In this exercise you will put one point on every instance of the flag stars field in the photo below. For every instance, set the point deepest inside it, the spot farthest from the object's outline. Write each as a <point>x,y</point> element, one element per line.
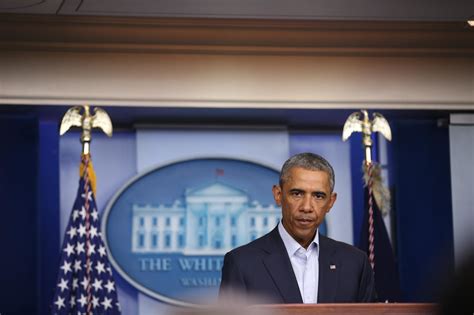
<point>97,284</point>
<point>91,249</point>
<point>82,230</point>
<point>85,279</point>
<point>82,300</point>
<point>89,195</point>
<point>84,283</point>
<point>63,285</point>
<point>82,213</point>
<point>110,286</point>
<point>66,267</point>
<point>72,301</point>
<point>95,215</point>
<point>60,302</point>
<point>93,232</point>
<point>80,248</point>
<point>107,303</point>
<point>95,302</point>
<point>69,250</point>
<point>100,267</point>
<point>75,215</point>
<point>77,265</point>
<point>102,251</point>
<point>75,284</point>
<point>72,232</point>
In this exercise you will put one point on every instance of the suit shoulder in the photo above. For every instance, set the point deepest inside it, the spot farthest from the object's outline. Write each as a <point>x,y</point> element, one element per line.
<point>342,248</point>
<point>252,248</point>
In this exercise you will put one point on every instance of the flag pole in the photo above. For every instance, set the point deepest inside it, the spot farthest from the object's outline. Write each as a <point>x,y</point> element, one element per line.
<point>83,242</point>
<point>86,122</point>
<point>374,239</point>
<point>367,127</point>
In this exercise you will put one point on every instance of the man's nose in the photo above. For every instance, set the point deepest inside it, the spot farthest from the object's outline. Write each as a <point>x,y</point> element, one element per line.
<point>307,205</point>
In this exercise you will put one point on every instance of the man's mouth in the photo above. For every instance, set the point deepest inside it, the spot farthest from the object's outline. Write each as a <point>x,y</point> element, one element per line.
<point>305,221</point>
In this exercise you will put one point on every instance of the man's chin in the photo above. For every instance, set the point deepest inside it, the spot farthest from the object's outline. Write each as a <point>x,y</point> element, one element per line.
<point>306,235</point>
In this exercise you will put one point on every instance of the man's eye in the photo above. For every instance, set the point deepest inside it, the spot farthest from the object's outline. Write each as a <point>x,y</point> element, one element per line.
<point>296,193</point>
<point>319,196</point>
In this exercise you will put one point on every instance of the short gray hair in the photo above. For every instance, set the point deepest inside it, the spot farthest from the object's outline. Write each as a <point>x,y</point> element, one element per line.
<point>308,161</point>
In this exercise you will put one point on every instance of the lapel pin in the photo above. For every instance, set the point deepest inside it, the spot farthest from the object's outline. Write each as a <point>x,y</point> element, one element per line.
<point>332,267</point>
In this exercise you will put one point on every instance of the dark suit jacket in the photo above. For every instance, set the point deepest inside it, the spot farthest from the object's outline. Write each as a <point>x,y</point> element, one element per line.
<point>263,268</point>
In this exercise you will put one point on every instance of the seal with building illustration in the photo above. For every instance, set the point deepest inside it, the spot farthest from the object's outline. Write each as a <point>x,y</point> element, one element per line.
<point>168,229</point>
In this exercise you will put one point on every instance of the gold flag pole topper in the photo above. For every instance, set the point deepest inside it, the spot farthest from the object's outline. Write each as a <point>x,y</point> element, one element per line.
<point>86,121</point>
<point>367,127</point>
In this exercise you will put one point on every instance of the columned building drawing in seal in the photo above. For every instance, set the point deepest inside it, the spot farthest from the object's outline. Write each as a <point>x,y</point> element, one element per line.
<point>209,220</point>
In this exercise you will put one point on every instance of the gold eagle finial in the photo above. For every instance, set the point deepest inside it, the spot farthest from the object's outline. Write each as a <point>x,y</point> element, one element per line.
<point>86,121</point>
<point>354,123</point>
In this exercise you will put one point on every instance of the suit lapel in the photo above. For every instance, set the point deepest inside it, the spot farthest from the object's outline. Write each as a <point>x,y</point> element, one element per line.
<point>328,272</point>
<point>279,266</point>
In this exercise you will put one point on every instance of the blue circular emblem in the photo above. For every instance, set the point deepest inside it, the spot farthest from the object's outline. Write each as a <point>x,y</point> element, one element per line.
<point>168,229</point>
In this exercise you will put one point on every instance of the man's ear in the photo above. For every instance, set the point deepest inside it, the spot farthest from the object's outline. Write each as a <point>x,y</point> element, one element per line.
<point>332,201</point>
<point>277,194</point>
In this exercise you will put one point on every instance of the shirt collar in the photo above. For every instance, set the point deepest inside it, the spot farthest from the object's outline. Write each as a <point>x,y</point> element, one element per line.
<point>291,244</point>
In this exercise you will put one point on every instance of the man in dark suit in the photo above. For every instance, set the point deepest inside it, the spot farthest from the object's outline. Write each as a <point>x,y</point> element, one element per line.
<point>293,263</point>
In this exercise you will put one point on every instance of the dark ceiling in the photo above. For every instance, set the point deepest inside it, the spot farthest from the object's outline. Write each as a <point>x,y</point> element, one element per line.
<point>344,10</point>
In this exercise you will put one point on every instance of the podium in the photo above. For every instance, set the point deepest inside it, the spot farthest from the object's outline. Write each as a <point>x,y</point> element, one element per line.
<point>352,309</point>
<point>312,309</point>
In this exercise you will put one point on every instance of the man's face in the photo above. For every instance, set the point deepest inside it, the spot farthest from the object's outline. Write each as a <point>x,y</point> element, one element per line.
<point>305,198</point>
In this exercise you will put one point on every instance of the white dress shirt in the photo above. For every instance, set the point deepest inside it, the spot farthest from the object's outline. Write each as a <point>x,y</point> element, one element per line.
<point>305,263</point>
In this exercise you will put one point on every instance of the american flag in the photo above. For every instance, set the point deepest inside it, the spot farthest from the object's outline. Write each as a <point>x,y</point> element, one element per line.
<point>85,284</point>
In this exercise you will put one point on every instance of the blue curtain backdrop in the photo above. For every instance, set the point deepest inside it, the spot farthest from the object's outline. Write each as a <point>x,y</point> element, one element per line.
<point>419,172</point>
